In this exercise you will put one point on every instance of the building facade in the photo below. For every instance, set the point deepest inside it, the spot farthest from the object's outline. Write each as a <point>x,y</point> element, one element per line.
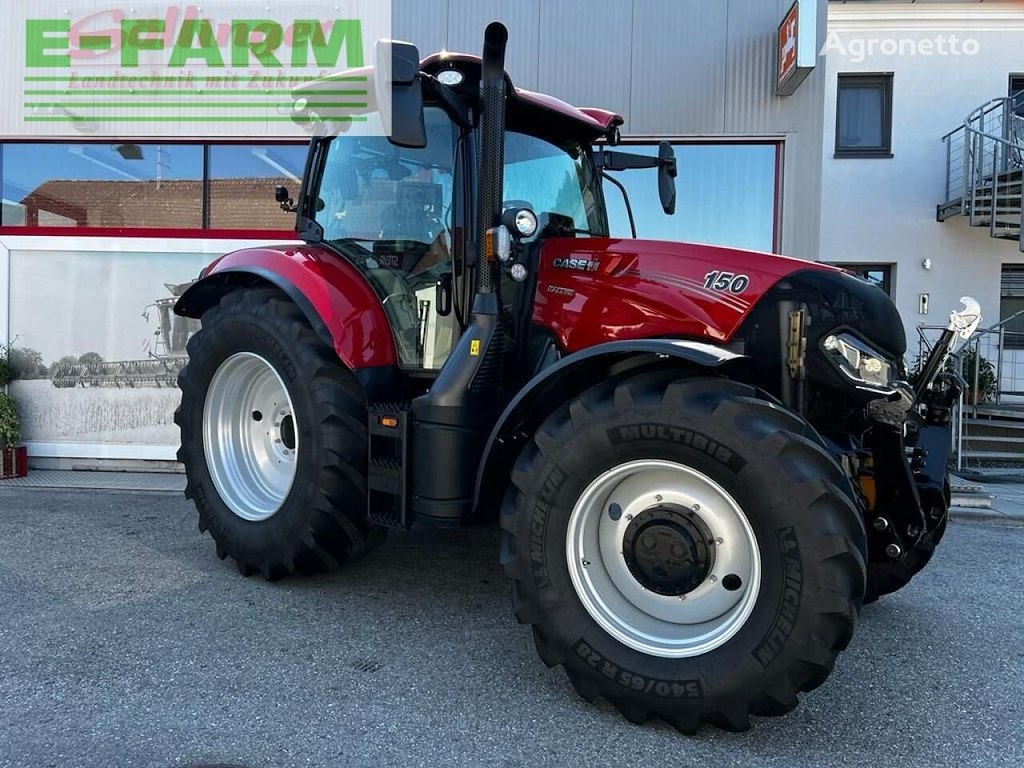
<point>97,236</point>
<point>906,188</point>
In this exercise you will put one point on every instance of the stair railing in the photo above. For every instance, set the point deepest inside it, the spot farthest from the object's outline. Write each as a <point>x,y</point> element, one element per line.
<point>988,144</point>
<point>988,344</point>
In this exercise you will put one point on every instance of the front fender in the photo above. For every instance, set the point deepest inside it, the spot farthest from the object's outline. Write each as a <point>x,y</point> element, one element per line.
<point>337,300</point>
<point>568,378</point>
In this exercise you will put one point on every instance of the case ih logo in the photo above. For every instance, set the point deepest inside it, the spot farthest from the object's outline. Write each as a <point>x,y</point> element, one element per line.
<point>580,265</point>
<point>81,68</point>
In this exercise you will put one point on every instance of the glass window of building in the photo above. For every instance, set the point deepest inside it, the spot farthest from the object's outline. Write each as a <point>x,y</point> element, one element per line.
<point>242,182</point>
<point>864,116</point>
<point>94,185</point>
<point>876,274</point>
<point>726,194</point>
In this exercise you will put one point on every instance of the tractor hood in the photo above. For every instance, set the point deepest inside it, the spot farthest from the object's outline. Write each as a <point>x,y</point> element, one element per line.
<point>596,290</point>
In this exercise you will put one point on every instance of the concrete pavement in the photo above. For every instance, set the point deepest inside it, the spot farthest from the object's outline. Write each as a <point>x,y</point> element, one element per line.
<point>125,642</point>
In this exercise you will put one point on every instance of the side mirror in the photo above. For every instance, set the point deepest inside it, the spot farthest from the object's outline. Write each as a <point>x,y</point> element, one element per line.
<point>667,171</point>
<point>399,92</point>
<point>284,199</point>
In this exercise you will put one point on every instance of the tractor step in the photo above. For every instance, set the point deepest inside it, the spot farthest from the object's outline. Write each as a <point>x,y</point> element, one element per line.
<point>388,477</point>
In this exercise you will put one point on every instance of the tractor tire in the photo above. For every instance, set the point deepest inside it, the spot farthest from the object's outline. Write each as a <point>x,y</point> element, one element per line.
<point>886,578</point>
<point>273,439</point>
<point>685,549</point>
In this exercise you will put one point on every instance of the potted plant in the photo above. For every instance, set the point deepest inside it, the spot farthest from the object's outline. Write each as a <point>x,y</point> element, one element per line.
<point>987,385</point>
<point>13,457</point>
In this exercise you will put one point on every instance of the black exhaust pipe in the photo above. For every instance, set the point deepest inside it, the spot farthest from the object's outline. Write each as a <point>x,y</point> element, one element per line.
<point>452,421</point>
<point>490,177</point>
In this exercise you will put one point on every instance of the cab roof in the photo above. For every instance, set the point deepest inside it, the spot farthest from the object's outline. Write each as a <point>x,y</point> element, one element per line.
<point>528,111</point>
<point>527,107</point>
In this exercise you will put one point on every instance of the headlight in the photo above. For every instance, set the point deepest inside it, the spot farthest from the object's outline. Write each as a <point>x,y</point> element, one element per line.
<point>867,368</point>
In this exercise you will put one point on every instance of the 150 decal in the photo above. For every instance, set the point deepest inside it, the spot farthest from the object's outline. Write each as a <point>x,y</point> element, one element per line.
<point>726,281</point>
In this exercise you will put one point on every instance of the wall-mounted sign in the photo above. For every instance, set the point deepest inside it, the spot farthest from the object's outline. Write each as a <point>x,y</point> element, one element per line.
<point>796,46</point>
<point>176,68</point>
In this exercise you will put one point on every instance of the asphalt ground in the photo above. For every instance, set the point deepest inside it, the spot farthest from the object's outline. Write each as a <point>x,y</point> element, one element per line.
<point>124,641</point>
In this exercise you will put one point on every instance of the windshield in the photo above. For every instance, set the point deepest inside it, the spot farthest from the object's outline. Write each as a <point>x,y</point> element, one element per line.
<point>553,179</point>
<point>389,211</point>
<point>375,192</point>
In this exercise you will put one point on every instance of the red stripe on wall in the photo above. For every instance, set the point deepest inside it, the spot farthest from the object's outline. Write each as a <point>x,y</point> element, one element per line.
<point>172,234</point>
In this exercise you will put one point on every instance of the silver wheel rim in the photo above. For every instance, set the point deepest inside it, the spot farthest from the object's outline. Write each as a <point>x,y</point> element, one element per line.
<point>671,626</point>
<point>250,436</point>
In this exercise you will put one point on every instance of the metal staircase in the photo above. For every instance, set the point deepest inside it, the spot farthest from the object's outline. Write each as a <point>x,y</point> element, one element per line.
<point>985,170</point>
<point>988,433</point>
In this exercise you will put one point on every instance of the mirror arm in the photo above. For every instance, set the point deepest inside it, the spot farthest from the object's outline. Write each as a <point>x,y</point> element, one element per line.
<point>623,161</point>
<point>453,105</point>
<point>625,197</point>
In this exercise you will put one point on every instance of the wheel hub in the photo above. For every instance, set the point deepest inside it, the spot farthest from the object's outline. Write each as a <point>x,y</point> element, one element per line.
<point>669,550</point>
<point>250,436</point>
<point>663,558</point>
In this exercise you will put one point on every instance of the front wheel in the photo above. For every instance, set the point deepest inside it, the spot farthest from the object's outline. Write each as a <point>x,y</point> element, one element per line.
<point>273,439</point>
<point>685,549</point>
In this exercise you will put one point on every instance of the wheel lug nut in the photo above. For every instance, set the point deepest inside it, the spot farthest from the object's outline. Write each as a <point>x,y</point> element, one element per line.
<point>880,524</point>
<point>893,551</point>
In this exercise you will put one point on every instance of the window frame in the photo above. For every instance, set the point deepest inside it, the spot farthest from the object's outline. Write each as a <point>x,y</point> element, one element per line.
<point>204,231</point>
<point>1016,96</point>
<point>884,82</point>
<point>1013,337</point>
<point>859,268</point>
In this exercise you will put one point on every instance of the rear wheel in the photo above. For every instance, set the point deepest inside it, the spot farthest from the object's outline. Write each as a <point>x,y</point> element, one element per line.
<point>273,439</point>
<point>684,549</point>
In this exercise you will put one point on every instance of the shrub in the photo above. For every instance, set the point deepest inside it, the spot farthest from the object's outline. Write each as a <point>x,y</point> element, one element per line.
<point>987,384</point>
<point>6,373</point>
<point>10,430</point>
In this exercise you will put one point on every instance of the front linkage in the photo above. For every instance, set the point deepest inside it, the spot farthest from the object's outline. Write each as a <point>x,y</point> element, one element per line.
<point>910,446</point>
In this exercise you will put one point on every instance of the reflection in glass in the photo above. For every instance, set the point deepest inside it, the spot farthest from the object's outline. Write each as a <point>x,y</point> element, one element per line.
<point>725,196</point>
<point>102,185</point>
<point>242,182</point>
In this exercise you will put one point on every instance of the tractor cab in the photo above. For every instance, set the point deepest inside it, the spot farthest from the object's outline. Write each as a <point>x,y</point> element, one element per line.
<point>402,206</point>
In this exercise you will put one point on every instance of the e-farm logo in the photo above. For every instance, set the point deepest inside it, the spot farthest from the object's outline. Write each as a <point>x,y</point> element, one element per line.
<point>206,66</point>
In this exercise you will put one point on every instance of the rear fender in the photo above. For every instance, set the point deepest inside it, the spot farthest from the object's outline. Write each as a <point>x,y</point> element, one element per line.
<point>340,305</point>
<point>568,378</point>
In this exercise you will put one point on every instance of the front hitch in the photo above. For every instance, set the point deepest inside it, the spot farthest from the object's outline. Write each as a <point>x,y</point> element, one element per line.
<point>910,452</point>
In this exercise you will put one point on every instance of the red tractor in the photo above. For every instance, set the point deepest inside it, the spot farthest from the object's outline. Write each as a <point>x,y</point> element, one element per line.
<point>703,460</point>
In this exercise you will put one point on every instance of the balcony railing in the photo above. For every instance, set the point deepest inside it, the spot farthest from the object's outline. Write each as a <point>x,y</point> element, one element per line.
<point>984,168</point>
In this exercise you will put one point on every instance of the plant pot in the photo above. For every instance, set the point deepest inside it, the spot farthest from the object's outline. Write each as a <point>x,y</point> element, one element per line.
<point>13,462</point>
<point>974,397</point>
